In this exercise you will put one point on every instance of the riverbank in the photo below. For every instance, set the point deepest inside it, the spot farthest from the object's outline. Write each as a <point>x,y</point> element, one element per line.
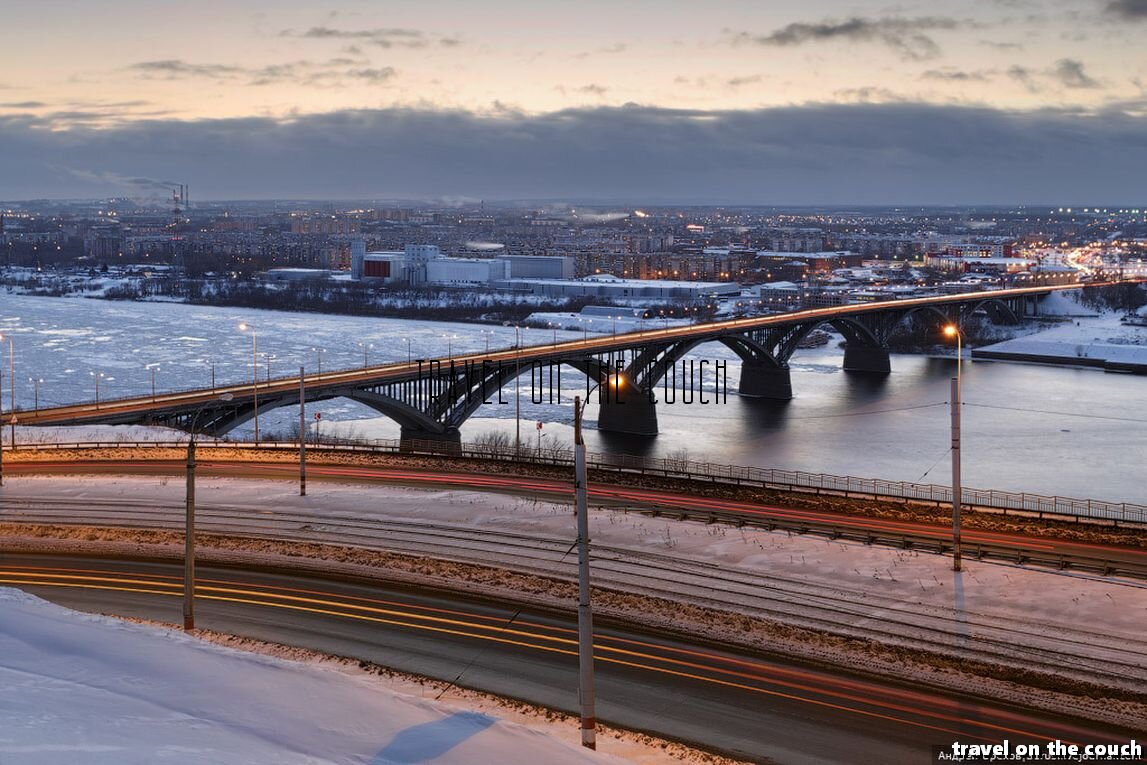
<point>1104,342</point>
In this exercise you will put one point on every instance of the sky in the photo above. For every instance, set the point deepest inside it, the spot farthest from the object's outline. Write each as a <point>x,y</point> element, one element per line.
<point>727,101</point>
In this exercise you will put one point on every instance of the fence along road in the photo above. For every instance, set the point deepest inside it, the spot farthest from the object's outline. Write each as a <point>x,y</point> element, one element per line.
<point>1041,506</point>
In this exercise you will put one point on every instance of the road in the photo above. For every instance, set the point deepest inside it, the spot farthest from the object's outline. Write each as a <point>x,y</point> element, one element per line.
<point>856,525</point>
<point>750,706</point>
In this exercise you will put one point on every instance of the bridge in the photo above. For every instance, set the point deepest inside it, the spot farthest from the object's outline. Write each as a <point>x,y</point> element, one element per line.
<point>431,398</point>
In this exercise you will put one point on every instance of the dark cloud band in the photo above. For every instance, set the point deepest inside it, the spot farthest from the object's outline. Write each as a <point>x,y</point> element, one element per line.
<point>898,153</point>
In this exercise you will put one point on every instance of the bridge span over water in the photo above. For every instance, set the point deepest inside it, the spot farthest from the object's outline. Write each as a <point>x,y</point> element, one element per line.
<point>431,398</point>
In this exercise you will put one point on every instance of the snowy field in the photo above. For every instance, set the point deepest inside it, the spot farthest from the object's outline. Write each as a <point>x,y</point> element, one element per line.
<point>80,688</point>
<point>1090,337</point>
<point>1026,617</point>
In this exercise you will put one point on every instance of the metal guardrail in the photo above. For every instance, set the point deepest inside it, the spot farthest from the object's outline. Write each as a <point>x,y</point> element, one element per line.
<point>767,478</point>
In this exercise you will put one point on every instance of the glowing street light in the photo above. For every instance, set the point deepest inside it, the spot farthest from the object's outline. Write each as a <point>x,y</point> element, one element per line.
<point>951,330</point>
<point>153,368</point>
<point>254,374</point>
<point>36,381</point>
<point>11,386</point>
<point>98,376</point>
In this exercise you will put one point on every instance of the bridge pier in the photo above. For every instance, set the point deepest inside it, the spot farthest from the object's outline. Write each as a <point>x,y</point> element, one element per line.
<point>760,379</point>
<point>632,412</point>
<point>412,439</point>
<point>866,358</point>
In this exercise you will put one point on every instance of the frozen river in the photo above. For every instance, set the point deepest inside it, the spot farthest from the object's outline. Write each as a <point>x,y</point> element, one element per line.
<point>1049,430</point>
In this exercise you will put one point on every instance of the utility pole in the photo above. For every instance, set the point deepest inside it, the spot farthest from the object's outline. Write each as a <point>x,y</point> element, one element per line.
<point>189,539</point>
<point>584,610</point>
<point>302,432</point>
<point>956,474</point>
<point>1,437</point>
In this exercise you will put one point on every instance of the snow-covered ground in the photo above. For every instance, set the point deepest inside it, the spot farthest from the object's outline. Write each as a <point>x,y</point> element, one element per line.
<point>81,688</point>
<point>1028,618</point>
<point>1088,338</point>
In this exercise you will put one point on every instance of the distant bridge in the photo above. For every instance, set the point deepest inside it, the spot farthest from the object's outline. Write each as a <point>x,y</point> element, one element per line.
<point>430,399</point>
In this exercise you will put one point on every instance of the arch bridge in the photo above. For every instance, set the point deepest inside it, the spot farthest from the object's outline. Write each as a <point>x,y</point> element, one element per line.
<point>432,398</point>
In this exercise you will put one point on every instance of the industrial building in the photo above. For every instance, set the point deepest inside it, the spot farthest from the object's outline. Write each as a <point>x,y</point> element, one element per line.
<point>614,288</point>
<point>424,264</point>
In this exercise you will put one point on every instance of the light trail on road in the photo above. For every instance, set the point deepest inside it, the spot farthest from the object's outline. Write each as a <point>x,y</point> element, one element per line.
<point>648,664</point>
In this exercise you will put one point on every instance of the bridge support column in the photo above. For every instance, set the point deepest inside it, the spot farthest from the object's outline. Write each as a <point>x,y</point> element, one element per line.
<point>866,358</point>
<point>427,440</point>
<point>632,412</point>
<point>760,379</point>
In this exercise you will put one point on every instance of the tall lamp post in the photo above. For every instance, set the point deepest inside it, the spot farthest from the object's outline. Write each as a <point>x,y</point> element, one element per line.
<point>36,388</point>
<point>153,368</point>
<point>584,608</point>
<point>189,523</point>
<point>952,330</point>
<point>11,387</point>
<point>97,376</point>
<point>254,374</point>
<point>517,391</point>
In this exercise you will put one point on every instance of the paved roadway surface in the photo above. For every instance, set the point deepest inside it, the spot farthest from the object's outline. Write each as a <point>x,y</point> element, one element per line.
<point>599,493</point>
<point>751,706</point>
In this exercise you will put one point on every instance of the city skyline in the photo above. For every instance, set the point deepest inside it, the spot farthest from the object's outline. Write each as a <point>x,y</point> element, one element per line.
<point>989,101</point>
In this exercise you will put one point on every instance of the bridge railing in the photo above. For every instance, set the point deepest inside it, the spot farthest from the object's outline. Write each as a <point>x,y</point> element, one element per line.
<point>767,478</point>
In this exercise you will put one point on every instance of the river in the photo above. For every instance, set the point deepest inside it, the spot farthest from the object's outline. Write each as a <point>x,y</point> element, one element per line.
<point>1041,429</point>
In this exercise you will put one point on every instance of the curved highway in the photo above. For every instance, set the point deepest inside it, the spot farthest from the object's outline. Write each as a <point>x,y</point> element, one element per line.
<point>749,706</point>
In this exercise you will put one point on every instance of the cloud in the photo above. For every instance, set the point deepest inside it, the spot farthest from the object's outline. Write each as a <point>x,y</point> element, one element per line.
<point>173,69</point>
<point>955,75</point>
<point>736,82</point>
<point>818,154</point>
<point>997,45</point>
<point>1069,73</point>
<point>23,105</point>
<point>377,75</point>
<point>906,36</point>
<point>1131,10</point>
<point>1024,76</point>
<point>330,73</point>
<point>383,37</point>
<point>593,89</point>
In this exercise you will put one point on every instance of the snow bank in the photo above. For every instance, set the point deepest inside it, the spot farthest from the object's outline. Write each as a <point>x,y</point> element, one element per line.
<point>81,688</point>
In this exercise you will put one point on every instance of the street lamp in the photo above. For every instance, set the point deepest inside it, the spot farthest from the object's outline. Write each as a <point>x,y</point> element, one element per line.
<point>189,522</point>
<point>212,363</point>
<point>97,376</point>
<point>584,608</point>
<point>11,386</point>
<point>254,374</point>
<point>153,368</point>
<point>952,330</point>
<point>366,354</point>
<point>319,353</point>
<point>36,386</point>
<point>517,391</point>
<point>407,339</point>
